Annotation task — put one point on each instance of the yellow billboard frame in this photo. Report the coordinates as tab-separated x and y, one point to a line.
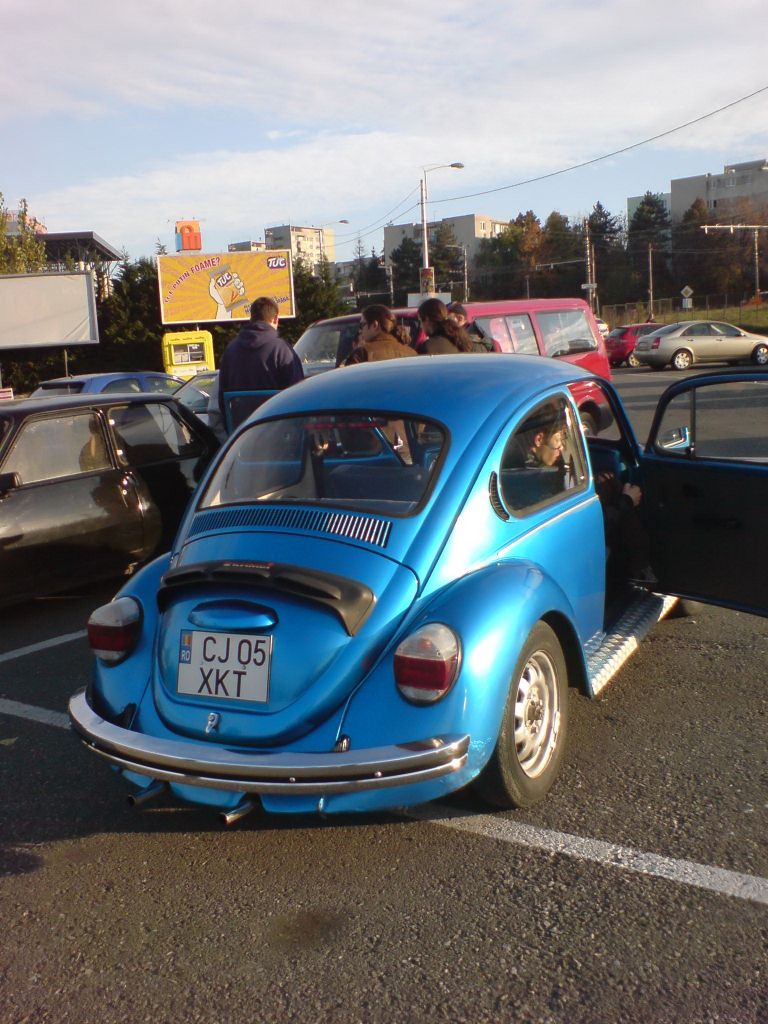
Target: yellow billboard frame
216	287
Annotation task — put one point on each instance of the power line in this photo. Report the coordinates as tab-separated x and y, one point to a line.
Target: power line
607	156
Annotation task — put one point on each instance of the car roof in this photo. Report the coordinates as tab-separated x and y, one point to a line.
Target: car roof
114	375
461	391
39	403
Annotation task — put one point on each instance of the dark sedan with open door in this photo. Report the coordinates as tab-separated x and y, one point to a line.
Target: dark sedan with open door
92	486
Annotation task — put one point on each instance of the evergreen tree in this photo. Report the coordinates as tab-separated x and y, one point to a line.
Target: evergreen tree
317	297
649	226
23	252
406	264
499	273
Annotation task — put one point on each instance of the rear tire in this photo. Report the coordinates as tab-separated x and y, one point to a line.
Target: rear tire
682	359
531	742
633	361
760	355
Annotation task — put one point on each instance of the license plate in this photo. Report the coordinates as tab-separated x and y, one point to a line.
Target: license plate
228	666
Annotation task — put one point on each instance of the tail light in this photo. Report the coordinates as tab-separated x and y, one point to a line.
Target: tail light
113	630
656	342
427	663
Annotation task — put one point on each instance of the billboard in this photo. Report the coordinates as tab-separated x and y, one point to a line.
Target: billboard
221	286
42	310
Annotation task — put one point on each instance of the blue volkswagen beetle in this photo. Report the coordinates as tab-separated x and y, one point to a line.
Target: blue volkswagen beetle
392	573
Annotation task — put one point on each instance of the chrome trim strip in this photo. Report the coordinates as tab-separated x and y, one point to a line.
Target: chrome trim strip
209	765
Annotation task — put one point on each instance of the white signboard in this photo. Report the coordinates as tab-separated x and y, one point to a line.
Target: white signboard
42	310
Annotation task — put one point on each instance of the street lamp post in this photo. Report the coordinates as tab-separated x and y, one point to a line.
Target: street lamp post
321	231
423	186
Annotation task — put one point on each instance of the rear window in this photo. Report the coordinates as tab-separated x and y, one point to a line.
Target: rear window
327	345
368	461
63	387
566	332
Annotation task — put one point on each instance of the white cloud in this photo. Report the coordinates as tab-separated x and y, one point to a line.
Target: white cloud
317	114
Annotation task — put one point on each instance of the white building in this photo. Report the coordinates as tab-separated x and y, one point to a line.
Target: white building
309	243
470	230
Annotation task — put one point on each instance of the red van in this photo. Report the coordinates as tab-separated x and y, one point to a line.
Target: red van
558	328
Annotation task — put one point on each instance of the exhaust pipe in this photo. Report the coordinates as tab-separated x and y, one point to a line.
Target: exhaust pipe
150	792
244	807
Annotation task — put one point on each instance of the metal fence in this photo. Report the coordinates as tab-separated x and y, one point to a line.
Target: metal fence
705	307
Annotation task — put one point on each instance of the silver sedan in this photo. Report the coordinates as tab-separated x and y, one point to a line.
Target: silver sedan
700	341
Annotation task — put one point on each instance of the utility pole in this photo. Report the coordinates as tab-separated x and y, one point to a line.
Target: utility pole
650	281
755	228
589	258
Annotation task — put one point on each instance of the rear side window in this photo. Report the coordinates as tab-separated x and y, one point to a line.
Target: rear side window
544	458
523	337
495	327
61	388
161	385
58	446
566	332
151	433
122	385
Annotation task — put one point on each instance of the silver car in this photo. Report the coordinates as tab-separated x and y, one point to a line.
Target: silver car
700	341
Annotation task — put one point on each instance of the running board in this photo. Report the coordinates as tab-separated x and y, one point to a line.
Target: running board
624	638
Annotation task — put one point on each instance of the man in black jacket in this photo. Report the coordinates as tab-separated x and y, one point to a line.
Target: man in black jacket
257	358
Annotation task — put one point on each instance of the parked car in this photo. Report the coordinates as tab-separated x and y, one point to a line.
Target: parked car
200	395
109	383
620	343
690	342
376	598
91	486
602	326
560	328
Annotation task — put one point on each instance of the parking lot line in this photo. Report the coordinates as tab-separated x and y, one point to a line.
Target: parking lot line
43	645
624	858
685	872
18	710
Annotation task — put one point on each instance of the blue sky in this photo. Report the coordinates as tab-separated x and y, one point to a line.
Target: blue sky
122	120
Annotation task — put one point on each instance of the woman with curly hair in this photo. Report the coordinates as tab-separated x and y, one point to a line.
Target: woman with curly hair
444	336
380	337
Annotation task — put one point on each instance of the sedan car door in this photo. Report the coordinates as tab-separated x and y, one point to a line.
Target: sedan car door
166	451
705	490
70	515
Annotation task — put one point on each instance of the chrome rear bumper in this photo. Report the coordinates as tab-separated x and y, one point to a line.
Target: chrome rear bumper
314	774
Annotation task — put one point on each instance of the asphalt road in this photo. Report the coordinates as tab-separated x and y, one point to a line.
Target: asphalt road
638	892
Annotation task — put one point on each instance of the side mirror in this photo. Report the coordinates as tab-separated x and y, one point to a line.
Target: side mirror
9	482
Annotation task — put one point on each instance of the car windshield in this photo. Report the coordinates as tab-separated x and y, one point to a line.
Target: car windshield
566	332
377	462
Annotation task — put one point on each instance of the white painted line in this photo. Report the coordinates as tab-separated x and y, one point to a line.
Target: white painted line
21	652
13	707
624	858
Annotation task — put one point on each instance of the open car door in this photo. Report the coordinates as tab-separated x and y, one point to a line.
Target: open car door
705	490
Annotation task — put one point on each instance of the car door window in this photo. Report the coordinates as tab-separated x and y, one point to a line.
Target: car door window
700	330
495	327
161	385
726	329
700	424
58	446
151	433
122	385
523	336
566	331
544	458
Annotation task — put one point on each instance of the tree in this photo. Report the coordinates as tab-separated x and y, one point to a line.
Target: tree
406	263
499	264
317	297
24	251
446	257
649	226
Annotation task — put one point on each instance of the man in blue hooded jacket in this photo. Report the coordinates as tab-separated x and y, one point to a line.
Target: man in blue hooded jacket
257	358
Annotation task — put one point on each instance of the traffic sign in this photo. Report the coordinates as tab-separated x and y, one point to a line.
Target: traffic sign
686	292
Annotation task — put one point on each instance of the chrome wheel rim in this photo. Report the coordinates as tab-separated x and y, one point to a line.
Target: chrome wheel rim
537	714
682	361
761	355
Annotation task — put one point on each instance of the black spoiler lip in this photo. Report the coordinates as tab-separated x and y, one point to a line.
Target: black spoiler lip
349	599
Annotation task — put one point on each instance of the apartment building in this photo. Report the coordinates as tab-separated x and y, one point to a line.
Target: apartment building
309	243
738	181
469	229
